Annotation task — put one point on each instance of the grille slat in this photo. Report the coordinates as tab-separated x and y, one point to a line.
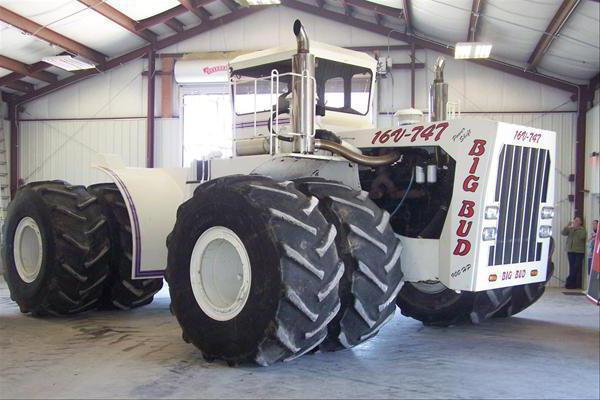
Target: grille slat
522	178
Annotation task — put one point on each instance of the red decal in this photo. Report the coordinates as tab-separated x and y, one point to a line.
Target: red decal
467	210
470	184
463	228
462	247
376	137
442	127
478	147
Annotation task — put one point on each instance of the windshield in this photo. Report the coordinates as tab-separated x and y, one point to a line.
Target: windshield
340	87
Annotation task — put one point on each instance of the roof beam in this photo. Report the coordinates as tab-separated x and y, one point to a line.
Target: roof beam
407	13
376	8
196	8
429	44
175	24
231	4
26	70
161	18
119	18
20	86
50	36
474	19
552	31
139	53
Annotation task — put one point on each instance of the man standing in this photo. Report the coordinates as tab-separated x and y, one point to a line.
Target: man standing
576	238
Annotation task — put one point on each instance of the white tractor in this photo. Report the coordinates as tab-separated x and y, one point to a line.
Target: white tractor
313	232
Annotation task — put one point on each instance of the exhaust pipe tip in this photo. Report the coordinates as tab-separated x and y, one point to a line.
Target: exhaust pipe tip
301	37
439	69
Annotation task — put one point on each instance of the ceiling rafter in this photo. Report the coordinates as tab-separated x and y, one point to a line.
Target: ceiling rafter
407	14
175	25
119	18
474	19
139	53
231	4
26	70
552	31
196	8
429	44
50	36
20	86
161	18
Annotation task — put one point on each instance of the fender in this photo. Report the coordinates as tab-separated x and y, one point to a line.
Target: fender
152	196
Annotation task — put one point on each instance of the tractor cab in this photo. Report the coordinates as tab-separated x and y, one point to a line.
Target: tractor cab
261	84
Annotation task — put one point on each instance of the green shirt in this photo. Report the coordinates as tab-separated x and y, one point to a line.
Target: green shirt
576	238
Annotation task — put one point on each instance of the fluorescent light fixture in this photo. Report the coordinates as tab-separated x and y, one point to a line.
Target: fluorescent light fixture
68	63
248	3
465	50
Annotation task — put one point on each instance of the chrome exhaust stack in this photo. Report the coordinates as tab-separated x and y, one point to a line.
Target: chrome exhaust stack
303	93
438	93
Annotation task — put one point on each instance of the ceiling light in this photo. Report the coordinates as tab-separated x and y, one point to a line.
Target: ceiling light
68	63
247	3
472	50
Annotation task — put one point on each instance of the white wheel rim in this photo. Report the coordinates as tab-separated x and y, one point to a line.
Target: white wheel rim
28	249
220	273
429	287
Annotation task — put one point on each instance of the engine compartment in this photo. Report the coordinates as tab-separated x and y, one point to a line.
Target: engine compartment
416	190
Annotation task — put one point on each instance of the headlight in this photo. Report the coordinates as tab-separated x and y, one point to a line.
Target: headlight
491	212
545	231
547	212
489	234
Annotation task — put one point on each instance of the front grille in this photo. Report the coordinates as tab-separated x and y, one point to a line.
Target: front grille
523	175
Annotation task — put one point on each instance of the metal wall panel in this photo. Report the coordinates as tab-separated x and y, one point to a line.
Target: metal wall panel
66	149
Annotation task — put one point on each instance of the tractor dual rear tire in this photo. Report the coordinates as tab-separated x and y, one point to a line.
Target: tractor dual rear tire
120	290
55	249
292	268
447	307
370	251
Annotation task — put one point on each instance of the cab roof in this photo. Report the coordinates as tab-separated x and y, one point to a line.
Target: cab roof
320	50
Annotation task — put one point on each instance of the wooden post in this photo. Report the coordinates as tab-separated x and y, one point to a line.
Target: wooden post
166	79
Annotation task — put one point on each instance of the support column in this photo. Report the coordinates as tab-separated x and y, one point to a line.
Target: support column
150	113
412	75
13	117
583	98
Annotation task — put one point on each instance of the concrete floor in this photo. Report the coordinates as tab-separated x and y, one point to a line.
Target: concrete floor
548	351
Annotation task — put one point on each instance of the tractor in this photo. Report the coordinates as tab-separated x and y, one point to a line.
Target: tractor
314	231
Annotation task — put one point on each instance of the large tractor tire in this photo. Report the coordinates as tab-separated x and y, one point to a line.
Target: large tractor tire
523	296
434	304
55	249
120	290
251	271
370	251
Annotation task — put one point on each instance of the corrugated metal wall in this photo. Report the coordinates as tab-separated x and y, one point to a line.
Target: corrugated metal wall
66	149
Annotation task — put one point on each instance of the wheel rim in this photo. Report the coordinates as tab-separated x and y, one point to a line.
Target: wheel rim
429	287
28	249
220	273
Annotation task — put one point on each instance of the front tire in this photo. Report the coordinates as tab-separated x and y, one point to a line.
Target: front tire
434	304
55	249
293	289
120	290
370	251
